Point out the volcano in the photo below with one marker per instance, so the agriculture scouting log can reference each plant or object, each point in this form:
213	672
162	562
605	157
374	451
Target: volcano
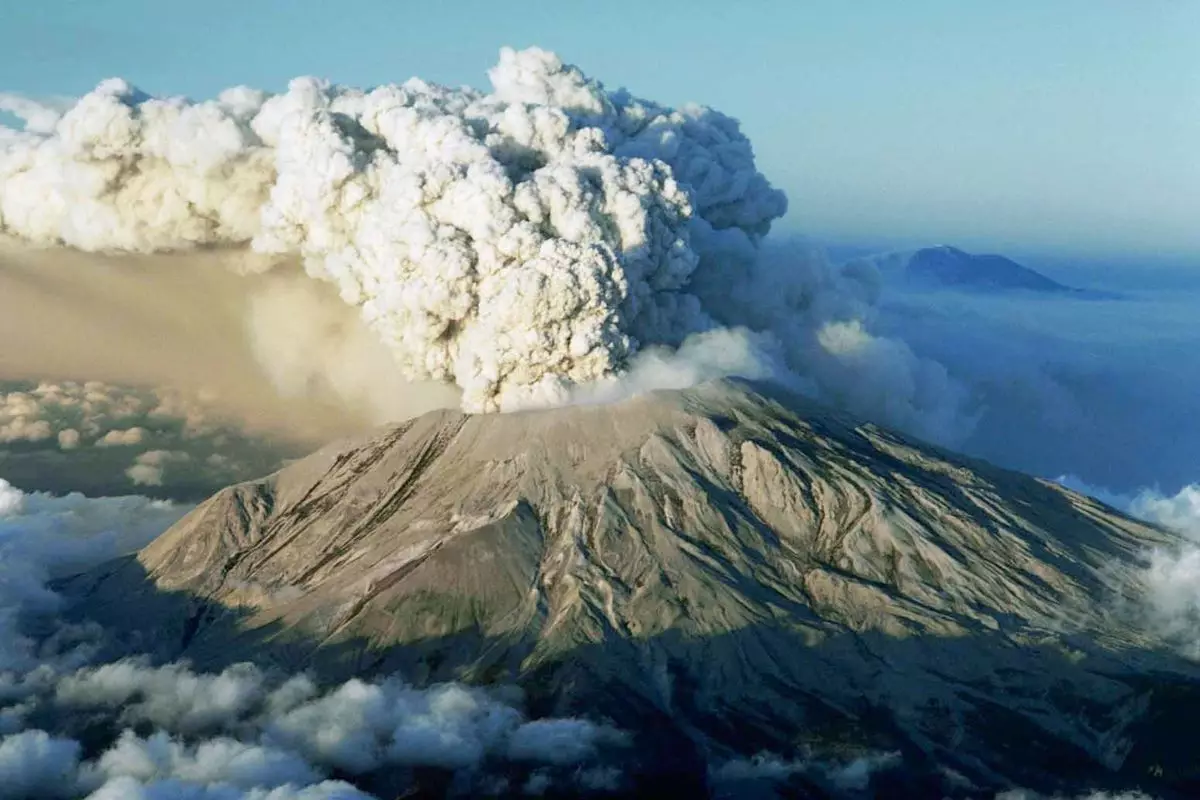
946	267
722	571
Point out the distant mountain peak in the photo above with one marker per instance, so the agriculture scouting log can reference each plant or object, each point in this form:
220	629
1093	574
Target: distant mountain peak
949	266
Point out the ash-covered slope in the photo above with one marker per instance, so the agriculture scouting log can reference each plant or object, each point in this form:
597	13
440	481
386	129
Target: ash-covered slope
728	563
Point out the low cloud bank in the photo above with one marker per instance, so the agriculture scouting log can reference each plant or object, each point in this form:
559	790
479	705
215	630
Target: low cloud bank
110	439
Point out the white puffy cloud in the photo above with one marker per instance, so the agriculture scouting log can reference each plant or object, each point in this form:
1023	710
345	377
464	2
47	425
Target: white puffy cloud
267	732
149	467
122	438
761	767
214	761
753	777
40	116
171	697
20	419
42	537
106	439
1172	593
35	765
12	500
1172	579
1180	511
260	733
64	534
361	726
856	775
559	741
103	414
127	788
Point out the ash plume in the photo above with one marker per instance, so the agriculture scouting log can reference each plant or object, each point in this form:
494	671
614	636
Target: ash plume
521	245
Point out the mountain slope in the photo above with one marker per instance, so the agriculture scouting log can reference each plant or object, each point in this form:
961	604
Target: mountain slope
728	565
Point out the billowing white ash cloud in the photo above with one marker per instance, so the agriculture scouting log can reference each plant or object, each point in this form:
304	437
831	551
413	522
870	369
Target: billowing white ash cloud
518	243
119	170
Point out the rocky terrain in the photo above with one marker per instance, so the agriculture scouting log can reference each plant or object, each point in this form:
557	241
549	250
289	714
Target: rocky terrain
721	571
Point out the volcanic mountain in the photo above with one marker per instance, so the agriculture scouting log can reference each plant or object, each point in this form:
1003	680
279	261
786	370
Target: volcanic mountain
721	571
947	267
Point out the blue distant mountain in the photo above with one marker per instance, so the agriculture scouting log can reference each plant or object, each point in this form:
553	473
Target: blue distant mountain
946	267
950	267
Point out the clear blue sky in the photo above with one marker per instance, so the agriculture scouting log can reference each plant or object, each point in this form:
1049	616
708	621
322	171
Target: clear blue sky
1069	126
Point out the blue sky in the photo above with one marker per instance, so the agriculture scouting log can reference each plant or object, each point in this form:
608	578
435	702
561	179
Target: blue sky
1030	126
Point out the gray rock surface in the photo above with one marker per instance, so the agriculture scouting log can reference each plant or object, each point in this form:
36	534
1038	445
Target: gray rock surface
729	563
